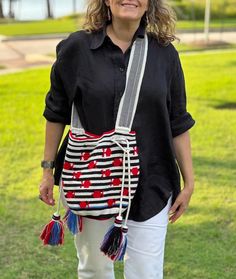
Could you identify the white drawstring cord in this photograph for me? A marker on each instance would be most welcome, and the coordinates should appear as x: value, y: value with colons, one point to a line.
x: 129, y: 189
x: 123, y: 184
x: 59, y: 200
x: 126, y: 152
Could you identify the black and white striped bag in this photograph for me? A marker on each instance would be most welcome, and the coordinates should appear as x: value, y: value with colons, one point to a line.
x: 101, y: 172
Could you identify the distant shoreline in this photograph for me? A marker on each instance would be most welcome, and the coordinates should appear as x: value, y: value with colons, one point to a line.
x: 28, y: 10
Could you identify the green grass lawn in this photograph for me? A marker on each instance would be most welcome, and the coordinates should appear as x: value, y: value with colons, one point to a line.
x: 67, y: 25
x: 185, y: 25
x: 200, y: 245
x: 49, y: 26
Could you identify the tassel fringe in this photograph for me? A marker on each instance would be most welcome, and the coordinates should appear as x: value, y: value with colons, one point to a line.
x: 53, y: 232
x: 113, y: 241
x: 73, y: 222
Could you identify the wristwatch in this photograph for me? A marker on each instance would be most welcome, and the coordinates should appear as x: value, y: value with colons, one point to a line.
x: 47, y: 164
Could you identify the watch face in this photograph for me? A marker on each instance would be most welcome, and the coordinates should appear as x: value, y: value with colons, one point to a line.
x: 47, y: 164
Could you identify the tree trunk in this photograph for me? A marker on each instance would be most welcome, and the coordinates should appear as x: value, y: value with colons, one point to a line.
x: 1, y: 10
x: 11, y: 13
x: 49, y: 10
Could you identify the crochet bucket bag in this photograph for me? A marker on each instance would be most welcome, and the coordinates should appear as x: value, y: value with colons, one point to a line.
x: 101, y: 172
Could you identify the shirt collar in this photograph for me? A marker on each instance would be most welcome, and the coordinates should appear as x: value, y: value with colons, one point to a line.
x: 101, y: 34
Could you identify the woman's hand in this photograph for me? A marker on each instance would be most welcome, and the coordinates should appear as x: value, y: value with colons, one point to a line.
x: 180, y: 204
x: 46, y: 188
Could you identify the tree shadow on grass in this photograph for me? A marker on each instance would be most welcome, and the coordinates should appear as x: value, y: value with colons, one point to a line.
x: 215, y: 170
x: 214, y: 163
x: 226, y: 105
x: 215, y: 103
x: 201, y: 250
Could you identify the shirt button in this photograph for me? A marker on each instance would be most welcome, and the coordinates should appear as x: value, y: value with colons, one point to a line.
x: 121, y: 69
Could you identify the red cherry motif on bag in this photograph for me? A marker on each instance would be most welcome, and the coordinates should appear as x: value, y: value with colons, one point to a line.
x: 135, y: 150
x: 98, y: 194
x: 135, y: 171
x: 68, y: 166
x: 86, y: 184
x: 85, y: 156
x: 111, y: 202
x: 92, y: 164
x: 76, y: 174
x: 117, y: 162
x: 106, y: 173
x: 84, y: 204
x: 70, y: 195
x: 106, y: 152
x: 125, y: 192
x: 116, y: 181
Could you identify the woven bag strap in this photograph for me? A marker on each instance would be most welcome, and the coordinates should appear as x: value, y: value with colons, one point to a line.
x: 129, y: 100
x: 135, y: 72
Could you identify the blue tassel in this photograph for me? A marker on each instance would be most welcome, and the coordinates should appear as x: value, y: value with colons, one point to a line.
x: 55, y: 234
x: 73, y: 222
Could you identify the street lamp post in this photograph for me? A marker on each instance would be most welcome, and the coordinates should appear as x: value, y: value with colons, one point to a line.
x: 207, y: 19
x: 74, y: 6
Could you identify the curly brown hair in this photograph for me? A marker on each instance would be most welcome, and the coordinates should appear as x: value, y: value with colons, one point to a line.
x: 160, y: 19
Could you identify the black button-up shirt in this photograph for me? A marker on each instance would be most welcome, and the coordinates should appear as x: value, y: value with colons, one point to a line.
x: 91, y: 71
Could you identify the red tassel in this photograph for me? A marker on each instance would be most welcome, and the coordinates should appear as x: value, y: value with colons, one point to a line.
x: 53, y: 232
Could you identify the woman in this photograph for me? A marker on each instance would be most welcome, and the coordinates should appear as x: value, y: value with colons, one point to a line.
x: 91, y: 71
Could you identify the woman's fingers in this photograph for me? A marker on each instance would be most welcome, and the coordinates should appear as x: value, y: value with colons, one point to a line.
x: 46, y: 191
x: 180, y: 205
x: 50, y: 196
x: 44, y: 195
x: 177, y: 213
x: 175, y: 205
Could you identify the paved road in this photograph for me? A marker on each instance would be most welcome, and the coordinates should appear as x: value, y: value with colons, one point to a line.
x: 17, y: 54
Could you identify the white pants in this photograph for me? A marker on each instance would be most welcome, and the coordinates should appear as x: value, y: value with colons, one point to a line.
x: 144, y: 256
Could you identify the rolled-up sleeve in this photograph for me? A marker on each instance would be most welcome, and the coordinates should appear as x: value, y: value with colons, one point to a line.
x: 180, y: 119
x: 57, y: 107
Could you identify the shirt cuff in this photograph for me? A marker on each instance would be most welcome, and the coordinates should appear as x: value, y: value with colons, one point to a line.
x: 182, y: 124
x: 55, y: 117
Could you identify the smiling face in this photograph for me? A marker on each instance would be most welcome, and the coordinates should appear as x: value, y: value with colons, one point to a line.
x: 128, y: 10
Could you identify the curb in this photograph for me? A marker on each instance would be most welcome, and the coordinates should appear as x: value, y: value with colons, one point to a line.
x: 33, y: 37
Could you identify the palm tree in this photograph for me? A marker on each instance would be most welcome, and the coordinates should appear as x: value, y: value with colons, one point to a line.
x: 49, y: 10
x: 1, y: 10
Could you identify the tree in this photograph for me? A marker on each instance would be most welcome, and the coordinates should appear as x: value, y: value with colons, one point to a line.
x: 1, y: 10
x: 11, y: 13
x: 49, y: 10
